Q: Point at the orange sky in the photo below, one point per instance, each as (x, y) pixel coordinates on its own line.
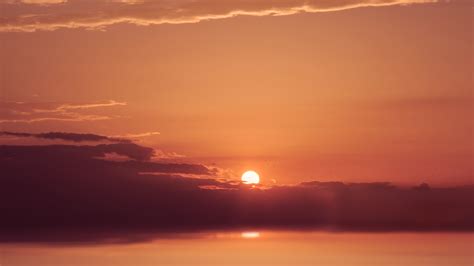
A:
(366, 94)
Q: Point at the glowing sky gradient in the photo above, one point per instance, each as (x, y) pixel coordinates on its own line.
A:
(130, 130)
(382, 92)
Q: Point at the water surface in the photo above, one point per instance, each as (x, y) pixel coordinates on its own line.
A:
(255, 248)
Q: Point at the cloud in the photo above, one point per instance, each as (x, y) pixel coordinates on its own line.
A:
(36, 2)
(84, 153)
(74, 137)
(21, 112)
(68, 190)
(114, 157)
(18, 138)
(159, 154)
(140, 135)
(103, 13)
(43, 2)
(71, 118)
(64, 107)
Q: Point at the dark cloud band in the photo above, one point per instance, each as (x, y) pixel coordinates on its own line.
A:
(74, 137)
(67, 189)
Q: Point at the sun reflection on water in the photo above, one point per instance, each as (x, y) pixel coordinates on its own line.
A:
(250, 235)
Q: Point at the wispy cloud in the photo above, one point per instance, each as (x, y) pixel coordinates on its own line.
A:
(71, 118)
(35, 2)
(18, 16)
(140, 135)
(65, 107)
(21, 112)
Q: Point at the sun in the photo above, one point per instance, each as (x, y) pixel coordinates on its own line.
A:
(250, 177)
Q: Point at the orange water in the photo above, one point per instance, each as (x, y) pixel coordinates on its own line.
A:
(256, 248)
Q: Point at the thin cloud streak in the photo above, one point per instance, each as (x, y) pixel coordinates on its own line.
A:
(36, 2)
(140, 135)
(75, 118)
(101, 14)
(64, 107)
(20, 112)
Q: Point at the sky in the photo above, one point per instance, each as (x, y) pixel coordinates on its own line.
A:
(124, 120)
(357, 91)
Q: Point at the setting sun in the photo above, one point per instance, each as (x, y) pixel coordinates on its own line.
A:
(250, 177)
